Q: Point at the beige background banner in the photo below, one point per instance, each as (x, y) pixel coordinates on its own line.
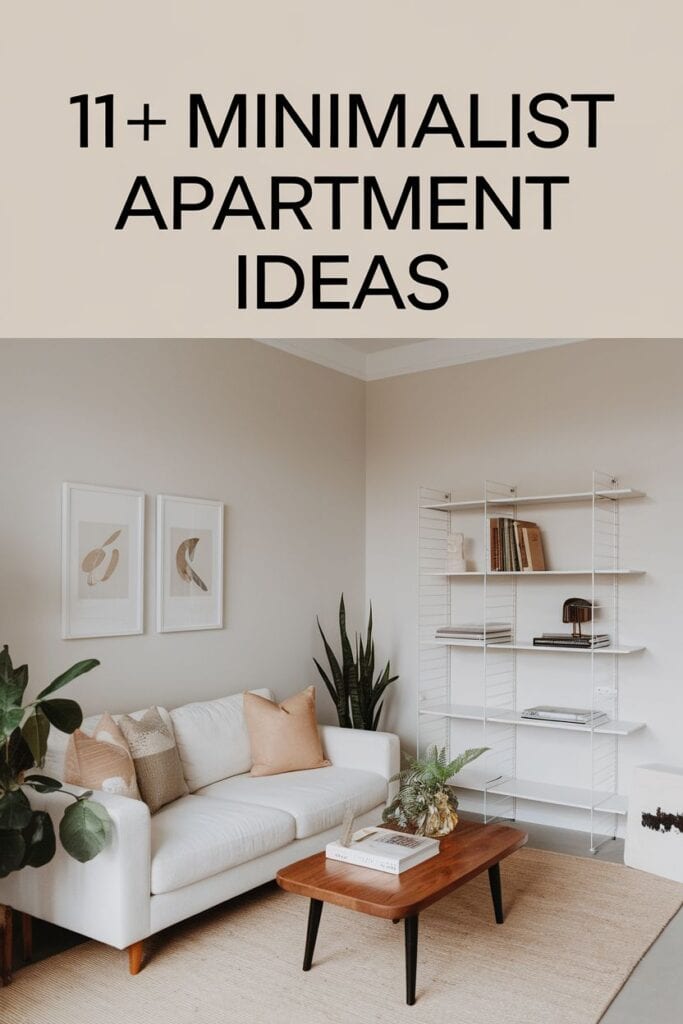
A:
(610, 266)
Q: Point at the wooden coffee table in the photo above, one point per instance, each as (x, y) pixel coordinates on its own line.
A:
(464, 854)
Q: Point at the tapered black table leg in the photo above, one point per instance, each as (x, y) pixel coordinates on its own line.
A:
(496, 893)
(411, 957)
(314, 912)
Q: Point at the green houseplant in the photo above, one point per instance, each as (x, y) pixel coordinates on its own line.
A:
(27, 836)
(426, 802)
(357, 695)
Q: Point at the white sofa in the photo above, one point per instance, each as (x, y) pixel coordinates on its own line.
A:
(230, 834)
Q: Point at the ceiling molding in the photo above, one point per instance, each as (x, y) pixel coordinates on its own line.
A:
(327, 352)
(423, 354)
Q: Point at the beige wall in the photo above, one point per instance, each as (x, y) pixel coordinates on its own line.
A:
(543, 421)
(278, 439)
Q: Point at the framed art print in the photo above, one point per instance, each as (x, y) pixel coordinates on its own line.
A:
(189, 564)
(102, 561)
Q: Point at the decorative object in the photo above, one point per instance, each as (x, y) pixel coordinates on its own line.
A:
(577, 610)
(26, 836)
(459, 859)
(426, 803)
(352, 686)
(654, 831)
(155, 755)
(189, 564)
(101, 761)
(455, 553)
(102, 561)
(284, 737)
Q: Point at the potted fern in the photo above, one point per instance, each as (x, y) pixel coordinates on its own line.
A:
(426, 802)
(351, 683)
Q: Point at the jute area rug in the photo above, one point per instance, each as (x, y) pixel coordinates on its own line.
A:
(574, 931)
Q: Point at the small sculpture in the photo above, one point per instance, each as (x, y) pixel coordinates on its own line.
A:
(577, 610)
(455, 556)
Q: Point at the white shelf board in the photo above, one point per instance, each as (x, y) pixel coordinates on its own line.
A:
(544, 792)
(618, 493)
(542, 572)
(475, 712)
(528, 646)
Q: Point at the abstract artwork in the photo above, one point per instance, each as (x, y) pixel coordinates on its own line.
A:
(102, 561)
(654, 827)
(189, 564)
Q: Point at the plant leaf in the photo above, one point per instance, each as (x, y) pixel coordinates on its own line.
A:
(341, 698)
(326, 679)
(10, 719)
(35, 731)
(84, 830)
(42, 783)
(65, 715)
(66, 677)
(459, 763)
(12, 848)
(15, 812)
(39, 840)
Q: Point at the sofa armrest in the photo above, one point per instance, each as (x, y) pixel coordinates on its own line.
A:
(378, 752)
(106, 899)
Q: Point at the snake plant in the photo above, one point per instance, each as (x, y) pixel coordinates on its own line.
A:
(358, 696)
(27, 837)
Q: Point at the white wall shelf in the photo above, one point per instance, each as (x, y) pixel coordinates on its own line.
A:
(495, 664)
(544, 793)
(541, 572)
(529, 646)
(614, 493)
(478, 713)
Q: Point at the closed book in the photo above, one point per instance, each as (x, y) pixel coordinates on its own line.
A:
(493, 544)
(575, 716)
(522, 555)
(475, 627)
(385, 850)
(534, 546)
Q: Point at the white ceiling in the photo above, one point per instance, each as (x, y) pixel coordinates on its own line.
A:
(375, 358)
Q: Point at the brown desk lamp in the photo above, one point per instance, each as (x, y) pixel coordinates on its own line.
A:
(577, 610)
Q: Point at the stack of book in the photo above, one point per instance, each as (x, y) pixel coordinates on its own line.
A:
(570, 640)
(516, 546)
(476, 633)
(575, 716)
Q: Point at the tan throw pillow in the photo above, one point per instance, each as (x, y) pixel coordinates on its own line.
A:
(157, 762)
(284, 737)
(101, 761)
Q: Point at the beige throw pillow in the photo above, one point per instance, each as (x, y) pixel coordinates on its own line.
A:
(101, 761)
(284, 737)
(157, 762)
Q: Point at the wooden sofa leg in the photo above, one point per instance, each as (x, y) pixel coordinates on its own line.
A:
(27, 937)
(135, 957)
(7, 945)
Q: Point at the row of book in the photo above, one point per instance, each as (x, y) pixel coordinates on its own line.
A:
(515, 545)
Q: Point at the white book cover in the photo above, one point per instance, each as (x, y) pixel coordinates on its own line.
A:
(384, 850)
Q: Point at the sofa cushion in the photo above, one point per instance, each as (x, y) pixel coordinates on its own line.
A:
(195, 838)
(212, 739)
(315, 798)
(53, 765)
(284, 737)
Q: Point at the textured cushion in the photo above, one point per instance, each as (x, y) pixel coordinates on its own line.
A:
(157, 764)
(212, 739)
(315, 799)
(58, 741)
(195, 838)
(284, 737)
(101, 761)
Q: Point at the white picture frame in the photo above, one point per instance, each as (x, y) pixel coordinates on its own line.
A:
(189, 556)
(103, 537)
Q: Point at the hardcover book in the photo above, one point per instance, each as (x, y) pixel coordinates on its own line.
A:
(382, 849)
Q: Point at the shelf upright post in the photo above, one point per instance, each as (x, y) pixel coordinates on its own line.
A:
(604, 670)
(433, 610)
(499, 665)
